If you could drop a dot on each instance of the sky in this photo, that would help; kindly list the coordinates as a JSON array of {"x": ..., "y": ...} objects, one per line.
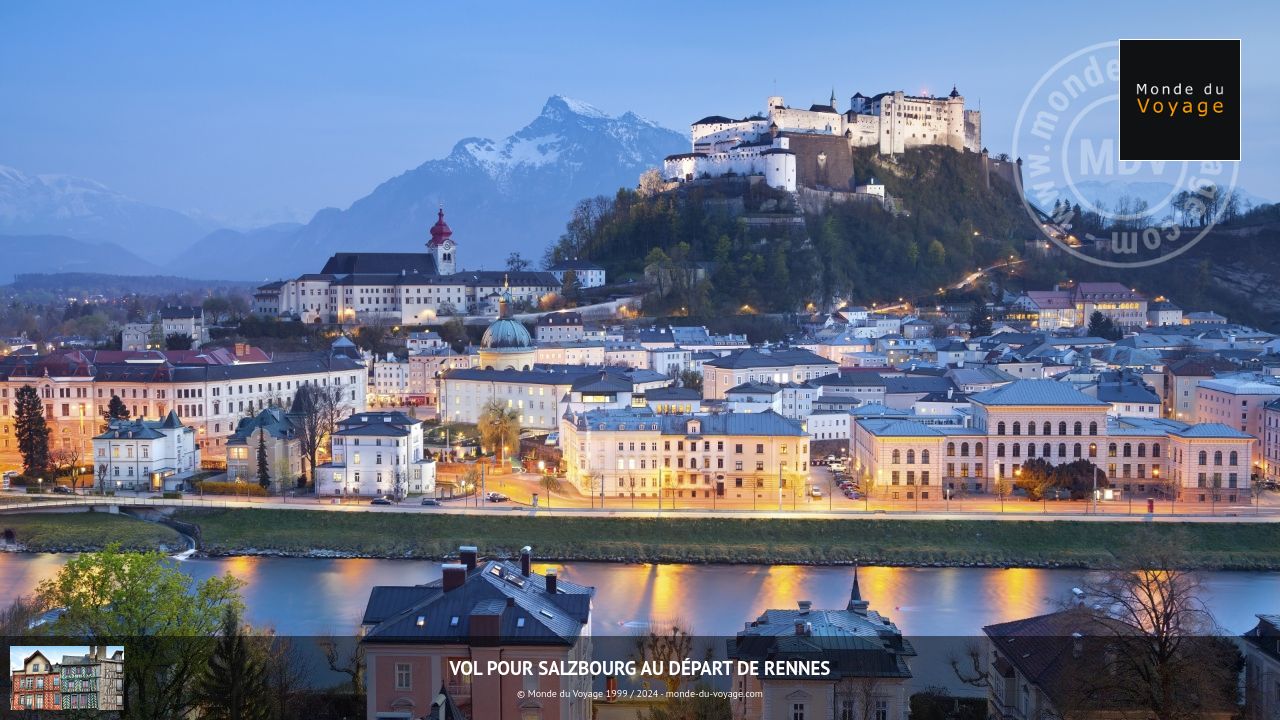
[
  {"x": 255, "y": 112},
  {"x": 18, "y": 653}
]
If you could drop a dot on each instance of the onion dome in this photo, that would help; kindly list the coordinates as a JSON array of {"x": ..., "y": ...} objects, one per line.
[
  {"x": 506, "y": 333},
  {"x": 440, "y": 231}
]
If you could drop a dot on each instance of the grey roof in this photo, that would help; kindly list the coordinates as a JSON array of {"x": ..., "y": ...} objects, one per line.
[
  {"x": 1035, "y": 392},
  {"x": 922, "y": 384},
  {"x": 346, "y": 263},
  {"x": 528, "y": 614},
  {"x": 1127, "y": 392},
  {"x": 574, "y": 265},
  {"x": 851, "y": 379},
  {"x": 672, "y": 393},
  {"x": 767, "y": 423},
  {"x": 273, "y": 421},
  {"x": 753, "y": 358}
]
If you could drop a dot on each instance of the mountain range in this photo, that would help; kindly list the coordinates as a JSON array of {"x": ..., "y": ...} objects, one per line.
[{"x": 499, "y": 196}]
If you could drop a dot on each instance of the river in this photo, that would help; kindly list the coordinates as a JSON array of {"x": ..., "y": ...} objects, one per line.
[{"x": 299, "y": 596}]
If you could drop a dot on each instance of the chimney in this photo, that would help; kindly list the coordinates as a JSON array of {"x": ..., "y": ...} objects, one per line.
[
  {"x": 1077, "y": 645},
  {"x": 804, "y": 606},
  {"x": 467, "y": 556},
  {"x": 551, "y": 578},
  {"x": 455, "y": 576},
  {"x": 526, "y": 560}
]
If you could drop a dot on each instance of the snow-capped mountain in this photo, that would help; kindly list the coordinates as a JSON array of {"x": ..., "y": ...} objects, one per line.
[
  {"x": 499, "y": 196},
  {"x": 93, "y": 213}
]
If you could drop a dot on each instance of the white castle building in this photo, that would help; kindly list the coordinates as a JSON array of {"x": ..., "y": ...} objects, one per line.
[
  {"x": 774, "y": 144},
  {"x": 403, "y": 288}
]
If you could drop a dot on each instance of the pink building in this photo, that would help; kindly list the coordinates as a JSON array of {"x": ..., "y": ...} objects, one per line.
[{"x": 418, "y": 638}]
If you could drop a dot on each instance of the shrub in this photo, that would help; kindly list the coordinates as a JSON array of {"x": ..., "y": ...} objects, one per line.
[
  {"x": 171, "y": 495},
  {"x": 230, "y": 488}
]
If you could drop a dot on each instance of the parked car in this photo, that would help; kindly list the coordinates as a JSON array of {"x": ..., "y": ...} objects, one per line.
[
  {"x": 815, "y": 492},
  {"x": 381, "y": 501},
  {"x": 431, "y": 502},
  {"x": 63, "y": 490},
  {"x": 496, "y": 497},
  {"x": 851, "y": 494}
]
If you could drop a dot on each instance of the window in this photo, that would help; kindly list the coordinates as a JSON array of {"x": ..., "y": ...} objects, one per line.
[
  {"x": 1079, "y": 428},
  {"x": 1000, "y": 428},
  {"x": 404, "y": 677},
  {"x": 797, "y": 711}
]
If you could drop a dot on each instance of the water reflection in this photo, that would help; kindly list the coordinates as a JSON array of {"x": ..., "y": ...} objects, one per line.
[{"x": 320, "y": 596}]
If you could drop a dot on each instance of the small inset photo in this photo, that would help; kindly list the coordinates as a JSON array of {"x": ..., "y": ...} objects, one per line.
[{"x": 66, "y": 678}]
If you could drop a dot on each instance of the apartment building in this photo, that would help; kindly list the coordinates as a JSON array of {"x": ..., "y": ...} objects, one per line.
[
  {"x": 377, "y": 454},
  {"x": 762, "y": 365},
  {"x": 638, "y": 453}
]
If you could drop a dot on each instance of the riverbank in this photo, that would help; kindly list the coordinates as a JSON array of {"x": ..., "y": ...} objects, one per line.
[
  {"x": 83, "y": 531},
  {"x": 961, "y": 543}
]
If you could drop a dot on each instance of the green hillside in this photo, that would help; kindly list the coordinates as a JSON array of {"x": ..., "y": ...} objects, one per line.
[{"x": 765, "y": 253}]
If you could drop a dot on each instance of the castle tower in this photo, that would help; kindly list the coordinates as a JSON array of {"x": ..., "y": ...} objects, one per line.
[
  {"x": 955, "y": 120},
  {"x": 442, "y": 246}
]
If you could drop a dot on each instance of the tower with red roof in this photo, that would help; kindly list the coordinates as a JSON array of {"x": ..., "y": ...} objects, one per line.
[{"x": 442, "y": 246}]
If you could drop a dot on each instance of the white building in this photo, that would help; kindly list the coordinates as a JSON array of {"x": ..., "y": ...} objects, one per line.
[
  {"x": 188, "y": 321},
  {"x": 402, "y": 288},
  {"x": 588, "y": 274},
  {"x": 559, "y": 327},
  {"x": 389, "y": 381},
  {"x": 758, "y": 145},
  {"x": 761, "y": 365},
  {"x": 377, "y": 454},
  {"x": 145, "y": 454}
]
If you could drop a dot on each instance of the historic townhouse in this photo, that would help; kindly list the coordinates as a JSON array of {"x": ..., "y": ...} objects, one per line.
[
  {"x": 638, "y": 453},
  {"x": 377, "y": 453},
  {"x": 76, "y": 387},
  {"x": 869, "y": 659},
  {"x": 902, "y": 456},
  {"x": 37, "y": 686},
  {"x": 415, "y": 638},
  {"x": 145, "y": 454}
]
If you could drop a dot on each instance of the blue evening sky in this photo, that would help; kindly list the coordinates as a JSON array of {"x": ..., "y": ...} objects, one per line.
[{"x": 247, "y": 109}]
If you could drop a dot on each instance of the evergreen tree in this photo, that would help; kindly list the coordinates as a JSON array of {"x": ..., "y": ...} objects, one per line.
[
  {"x": 116, "y": 409},
  {"x": 234, "y": 685},
  {"x": 1104, "y": 327},
  {"x": 264, "y": 472},
  {"x": 979, "y": 322},
  {"x": 32, "y": 432}
]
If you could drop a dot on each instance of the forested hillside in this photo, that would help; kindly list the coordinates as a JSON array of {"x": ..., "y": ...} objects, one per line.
[{"x": 764, "y": 253}]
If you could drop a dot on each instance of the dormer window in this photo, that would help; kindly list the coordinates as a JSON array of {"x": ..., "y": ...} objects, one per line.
[{"x": 693, "y": 427}]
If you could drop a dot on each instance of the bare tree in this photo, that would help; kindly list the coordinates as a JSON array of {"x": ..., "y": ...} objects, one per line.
[
  {"x": 662, "y": 644},
  {"x": 317, "y": 409},
  {"x": 345, "y": 656}
]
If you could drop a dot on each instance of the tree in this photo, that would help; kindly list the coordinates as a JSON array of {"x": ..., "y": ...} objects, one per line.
[
  {"x": 32, "y": 431},
  {"x": 115, "y": 410},
  {"x": 499, "y": 427},
  {"x": 178, "y": 341},
  {"x": 264, "y": 472},
  {"x": 1036, "y": 477},
  {"x": 316, "y": 412},
  {"x": 454, "y": 332},
  {"x": 168, "y": 618},
  {"x": 651, "y": 183},
  {"x": 1164, "y": 652},
  {"x": 516, "y": 263},
  {"x": 570, "y": 288},
  {"x": 691, "y": 379},
  {"x": 549, "y": 482},
  {"x": 1104, "y": 327},
  {"x": 660, "y": 646},
  {"x": 979, "y": 321},
  {"x": 234, "y": 685}
]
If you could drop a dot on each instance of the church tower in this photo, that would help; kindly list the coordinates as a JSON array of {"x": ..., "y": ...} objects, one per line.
[{"x": 442, "y": 246}]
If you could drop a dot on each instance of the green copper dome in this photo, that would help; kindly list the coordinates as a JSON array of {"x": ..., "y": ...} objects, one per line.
[{"x": 506, "y": 333}]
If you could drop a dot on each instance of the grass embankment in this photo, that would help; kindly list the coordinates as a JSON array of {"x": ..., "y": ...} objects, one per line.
[
  {"x": 70, "y": 532},
  {"x": 700, "y": 540}
]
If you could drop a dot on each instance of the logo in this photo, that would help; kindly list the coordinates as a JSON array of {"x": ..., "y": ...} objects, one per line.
[{"x": 1088, "y": 201}]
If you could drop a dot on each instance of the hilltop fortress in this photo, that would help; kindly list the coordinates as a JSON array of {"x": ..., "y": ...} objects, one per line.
[{"x": 812, "y": 148}]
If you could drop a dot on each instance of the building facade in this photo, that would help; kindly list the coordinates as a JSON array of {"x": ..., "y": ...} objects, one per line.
[
  {"x": 377, "y": 454},
  {"x": 76, "y": 387},
  {"x": 145, "y": 454},
  {"x": 768, "y": 366},
  {"x": 902, "y": 457},
  {"x": 37, "y": 686},
  {"x": 620, "y": 454},
  {"x": 416, "y": 638}
]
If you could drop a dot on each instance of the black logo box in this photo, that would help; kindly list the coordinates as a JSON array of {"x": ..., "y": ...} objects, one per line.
[{"x": 1188, "y": 65}]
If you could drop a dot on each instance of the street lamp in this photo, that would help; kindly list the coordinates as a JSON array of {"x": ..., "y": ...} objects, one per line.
[{"x": 1093, "y": 452}]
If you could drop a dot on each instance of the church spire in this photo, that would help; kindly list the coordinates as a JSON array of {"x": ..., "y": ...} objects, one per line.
[
  {"x": 856, "y": 603},
  {"x": 833, "y": 99}
]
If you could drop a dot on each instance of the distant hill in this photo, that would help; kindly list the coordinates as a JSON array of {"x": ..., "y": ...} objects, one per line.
[
  {"x": 91, "y": 212},
  {"x": 56, "y": 253},
  {"x": 761, "y": 253},
  {"x": 499, "y": 196}
]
